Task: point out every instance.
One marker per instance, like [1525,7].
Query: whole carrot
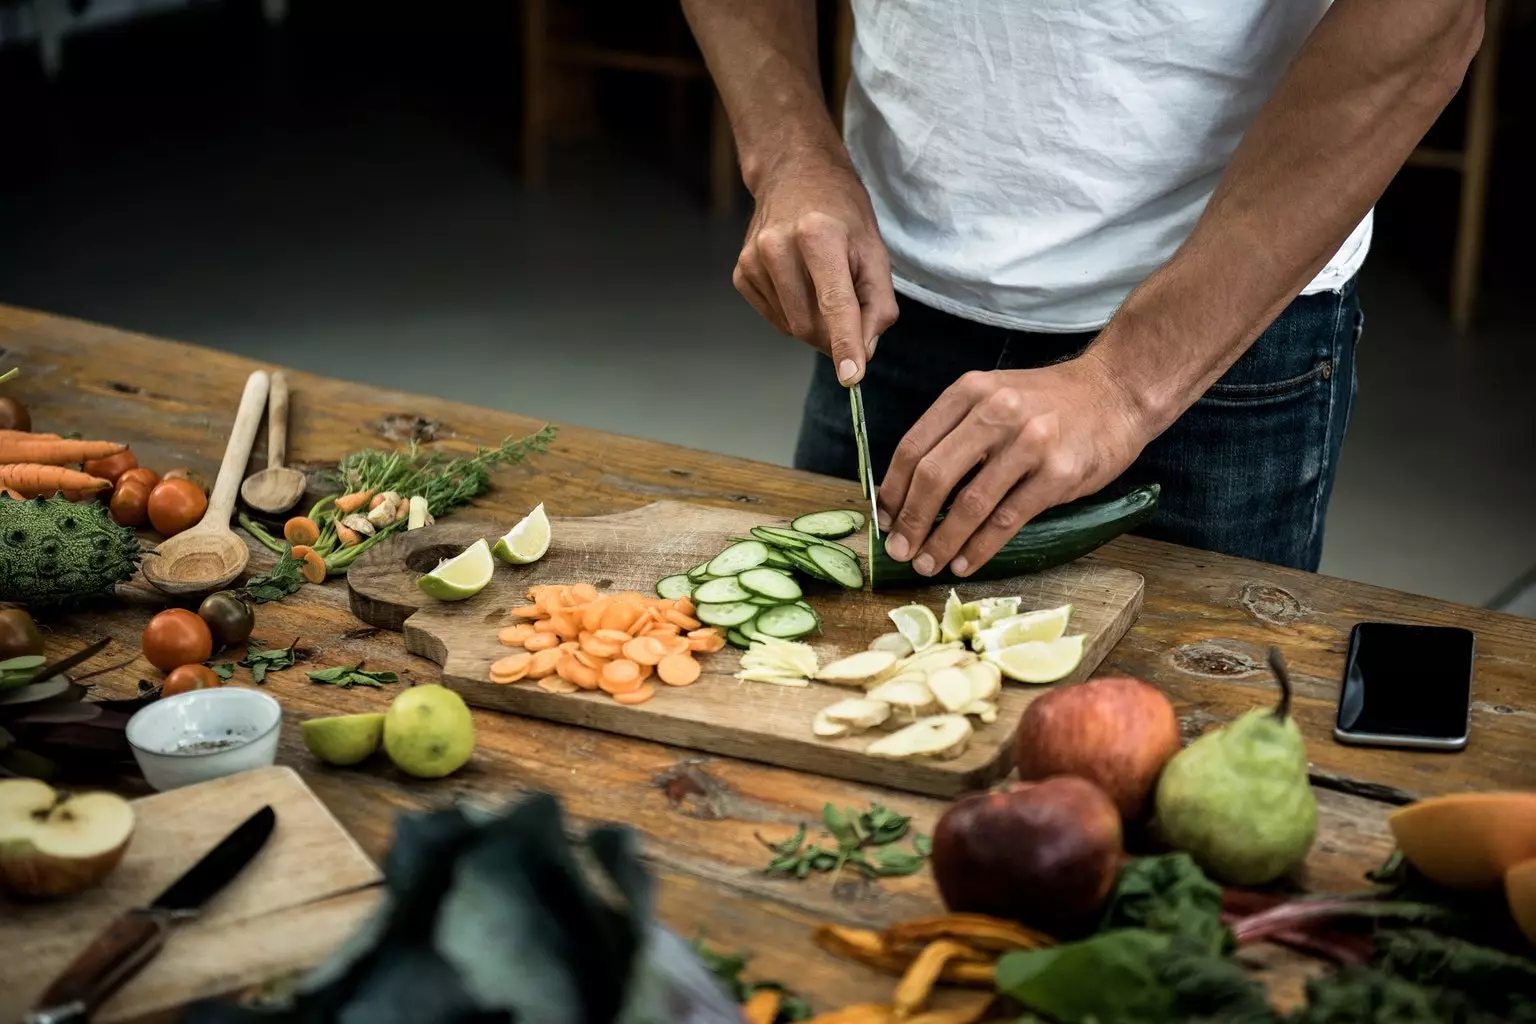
[55,453]
[349,503]
[31,480]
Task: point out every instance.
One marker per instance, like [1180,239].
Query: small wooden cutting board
[308,888]
[719,714]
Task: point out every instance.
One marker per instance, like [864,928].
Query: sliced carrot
[570,647]
[513,636]
[639,695]
[685,605]
[554,684]
[512,663]
[620,676]
[664,629]
[613,636]
[590,660]
[566,625]
[584,592]
[543,663]
[545,626]
[540,642]
[682,621]
[528,612]
[598,646]
[645,650]
[584,677]
[592,615]
[678,670]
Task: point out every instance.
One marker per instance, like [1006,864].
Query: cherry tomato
[147,477]
[18,634]
[176,505]
[183,473]
[177,637]
[189,677]
[14,415]
[113,466]
[229,618]
[130,503]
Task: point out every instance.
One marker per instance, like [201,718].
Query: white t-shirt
[1032,161]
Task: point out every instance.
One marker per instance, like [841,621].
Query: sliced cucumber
[858,517]
[842,568]
[807,540]
[804,564]
[699,573]
[763,602]
[735,639]
[787,622]
[778,559]
[831,525]
[770,583]
[747,554]
[730,613]
[773,535]
[674,587]
[722,591]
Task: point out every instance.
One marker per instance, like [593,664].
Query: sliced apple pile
[54,844]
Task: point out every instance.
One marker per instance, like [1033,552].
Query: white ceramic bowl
[204,734]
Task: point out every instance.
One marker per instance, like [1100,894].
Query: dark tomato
[18,634]
[177,637]
[183,473]
[229,618]
[130,503]
[176,505]
[14,415]
[147,477]
[185,678]
[113,466]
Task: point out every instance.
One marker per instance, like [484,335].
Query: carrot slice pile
[573,638]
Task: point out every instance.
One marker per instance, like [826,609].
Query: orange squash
[1520,889]
[1467,840]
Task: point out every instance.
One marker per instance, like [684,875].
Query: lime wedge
[918,624]
[1044,625]
[1039,661]
[989,610]
[527,541]
[954,619]
[463,575]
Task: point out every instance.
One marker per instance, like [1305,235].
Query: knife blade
[133,939]
[866,468]
[65,664]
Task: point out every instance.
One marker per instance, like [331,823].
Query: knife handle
[115,956]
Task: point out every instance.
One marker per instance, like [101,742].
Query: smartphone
[1406,686]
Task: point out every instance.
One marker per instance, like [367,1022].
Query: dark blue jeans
[1246,471]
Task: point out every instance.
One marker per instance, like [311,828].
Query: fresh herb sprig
[446,482]
[348,676]
[280,581]
[728,968]
[863,842]
[259,660]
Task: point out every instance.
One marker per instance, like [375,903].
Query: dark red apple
[1044,854]
[1117,733]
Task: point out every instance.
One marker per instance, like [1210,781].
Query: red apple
[52,844]
[1045,854]
[1117,733]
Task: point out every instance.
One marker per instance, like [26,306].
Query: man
[1125,232]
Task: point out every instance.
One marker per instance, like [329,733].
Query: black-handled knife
[132,941]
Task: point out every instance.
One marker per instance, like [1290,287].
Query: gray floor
[396,250]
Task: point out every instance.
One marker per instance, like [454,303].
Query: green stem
[338,561]
[13,371]
[319,506]
[266,539]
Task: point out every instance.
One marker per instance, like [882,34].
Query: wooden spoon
[275,489]
[210,555]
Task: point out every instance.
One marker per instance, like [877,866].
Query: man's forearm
[1359,95]
[762,55]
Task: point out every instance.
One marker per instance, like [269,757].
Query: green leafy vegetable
[728,968]
[1168,894]
[261,661]
[283,579]
[223,669]
[347,677]
[858,836]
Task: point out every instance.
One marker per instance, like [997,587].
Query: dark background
[343,194]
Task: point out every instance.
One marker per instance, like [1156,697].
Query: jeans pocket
[1260,393]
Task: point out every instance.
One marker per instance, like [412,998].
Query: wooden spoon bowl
[277,488]
[210,555]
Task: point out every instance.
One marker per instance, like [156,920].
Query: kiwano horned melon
[1467,840]
[57,552]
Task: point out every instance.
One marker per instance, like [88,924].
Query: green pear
[344,739]
[428,732]
[1238,800]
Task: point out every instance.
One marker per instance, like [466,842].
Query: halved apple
[57,844]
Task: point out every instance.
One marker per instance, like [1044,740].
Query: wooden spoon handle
[277,421]
[242,437]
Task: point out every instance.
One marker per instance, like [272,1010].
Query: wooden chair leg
[535,89]
[1482,103]
[722,162]
[842,60]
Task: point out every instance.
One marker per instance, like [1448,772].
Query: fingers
[824,247]
[947,413]
[781,258]
[757,292]
[877,298]
[974,507]
[1038,492]
[933,478]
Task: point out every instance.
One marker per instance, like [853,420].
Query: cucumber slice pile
[749,589]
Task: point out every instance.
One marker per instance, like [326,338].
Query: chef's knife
[133,939]
[866,468]
[65,664]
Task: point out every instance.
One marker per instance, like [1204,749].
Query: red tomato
[130,503]
[183,473]
[187,678]
[113,466]
[177,637]
[176,505]
[147,477]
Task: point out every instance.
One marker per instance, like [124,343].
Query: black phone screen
[1407,681]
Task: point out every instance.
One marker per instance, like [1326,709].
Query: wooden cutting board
[719,714]
[308,889]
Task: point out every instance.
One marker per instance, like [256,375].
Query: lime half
[1039,661]
[527,541]
[918,624]
[953,626]
[1044,625]
[463,575]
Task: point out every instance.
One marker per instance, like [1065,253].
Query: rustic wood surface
[1204,626]
[306,890]
[720,714]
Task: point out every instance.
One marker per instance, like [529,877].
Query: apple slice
[53,844]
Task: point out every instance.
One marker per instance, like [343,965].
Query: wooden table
[1201,637]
